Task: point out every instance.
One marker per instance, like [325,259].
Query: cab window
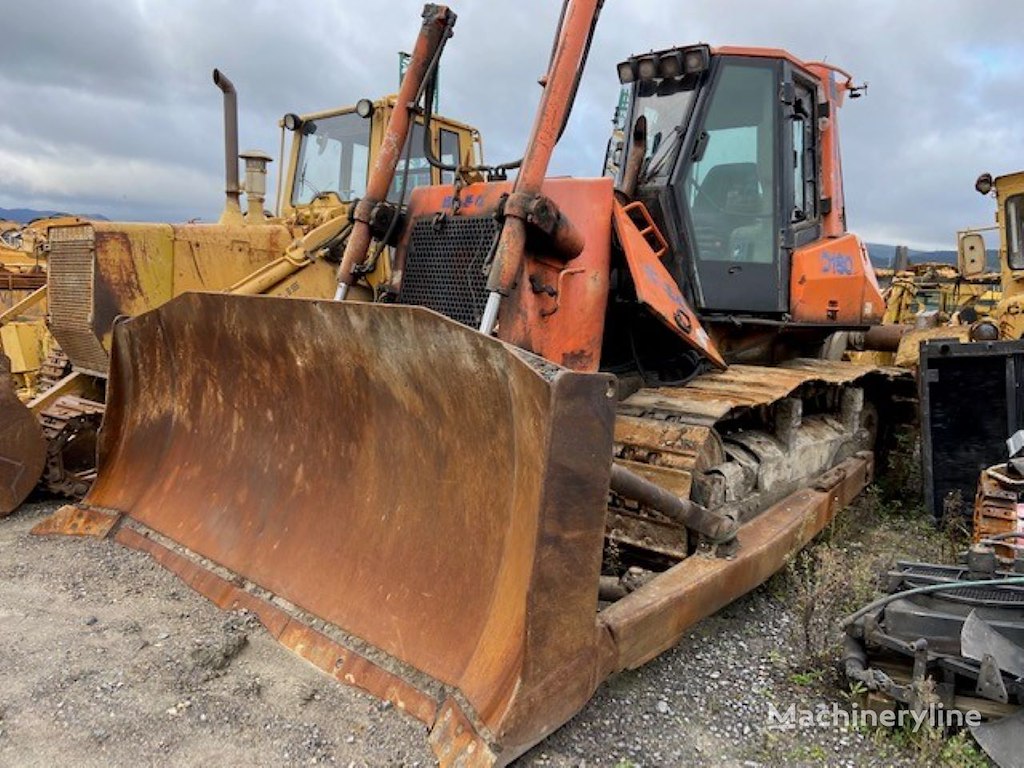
[804,158]
[449,154]
[334,156]
[730,183]
[419,168]
[1015,231]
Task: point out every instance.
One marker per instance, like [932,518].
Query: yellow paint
[24,344]
[1009,311]
[139,266]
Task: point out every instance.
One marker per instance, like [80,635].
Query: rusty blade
[22,447]
[418,486]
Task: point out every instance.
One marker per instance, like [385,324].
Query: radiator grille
[70,296]
[444,266]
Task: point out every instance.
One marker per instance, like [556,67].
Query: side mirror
[970,253]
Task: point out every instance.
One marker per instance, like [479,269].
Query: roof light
[671,64]
[696,60]
[627,71]
[292,121]
[647,68]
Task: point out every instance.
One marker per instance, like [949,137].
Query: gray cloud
[108,106]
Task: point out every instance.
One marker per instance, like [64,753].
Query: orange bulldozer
[585,414]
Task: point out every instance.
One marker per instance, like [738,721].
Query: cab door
[731,187]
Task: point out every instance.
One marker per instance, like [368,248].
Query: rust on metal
[331,657]
[22,446]
[75,520]
[725,394]
[885,338]
[456,742]
[644,246]
[997,510]
[634,161]
[652,619]
[438,21]
[22,282]
[251,494]
[512,458]
[70,425]
[568,58]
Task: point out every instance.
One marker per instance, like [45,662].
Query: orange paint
[655,287]
[555,309]
[832,281]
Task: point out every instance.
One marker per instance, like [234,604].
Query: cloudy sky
[107,106]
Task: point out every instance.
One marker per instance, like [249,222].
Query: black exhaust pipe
[232,186]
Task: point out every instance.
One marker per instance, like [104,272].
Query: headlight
[647,68]
[671,64]
[627,72]
[364,108]
[696,60]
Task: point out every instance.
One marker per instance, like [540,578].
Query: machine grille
[70,296]
[444,266]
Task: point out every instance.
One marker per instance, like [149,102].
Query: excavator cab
[741,173]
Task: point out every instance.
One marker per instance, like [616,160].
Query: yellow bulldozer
[924,301]
[1008,191]
[581,415]
[24,338]
[22,265]
[100,271]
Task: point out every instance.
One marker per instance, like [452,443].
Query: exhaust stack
[232,207]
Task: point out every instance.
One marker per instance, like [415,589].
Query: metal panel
[444,269]
[970,395]
[72,274]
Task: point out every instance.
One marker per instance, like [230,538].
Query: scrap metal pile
[947,639]
[952,636]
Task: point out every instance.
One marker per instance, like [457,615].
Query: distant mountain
[25,215]
[882,254]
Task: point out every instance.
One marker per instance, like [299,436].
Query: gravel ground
[110,660]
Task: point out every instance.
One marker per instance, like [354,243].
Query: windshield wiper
[303,182]
[665,151]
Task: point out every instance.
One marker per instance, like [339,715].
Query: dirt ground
[108,660]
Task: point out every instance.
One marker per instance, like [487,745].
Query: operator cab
[333,151]
[731,169]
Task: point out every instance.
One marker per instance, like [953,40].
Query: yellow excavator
[100,271]
[582,415]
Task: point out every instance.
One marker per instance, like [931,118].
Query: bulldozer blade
[22,448]
[1002,740]
[414,507]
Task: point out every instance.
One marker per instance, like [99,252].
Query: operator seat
[728,198]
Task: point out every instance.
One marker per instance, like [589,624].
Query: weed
[961,751]
[808,677]
[807,752]
[826,585]
[902,483]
